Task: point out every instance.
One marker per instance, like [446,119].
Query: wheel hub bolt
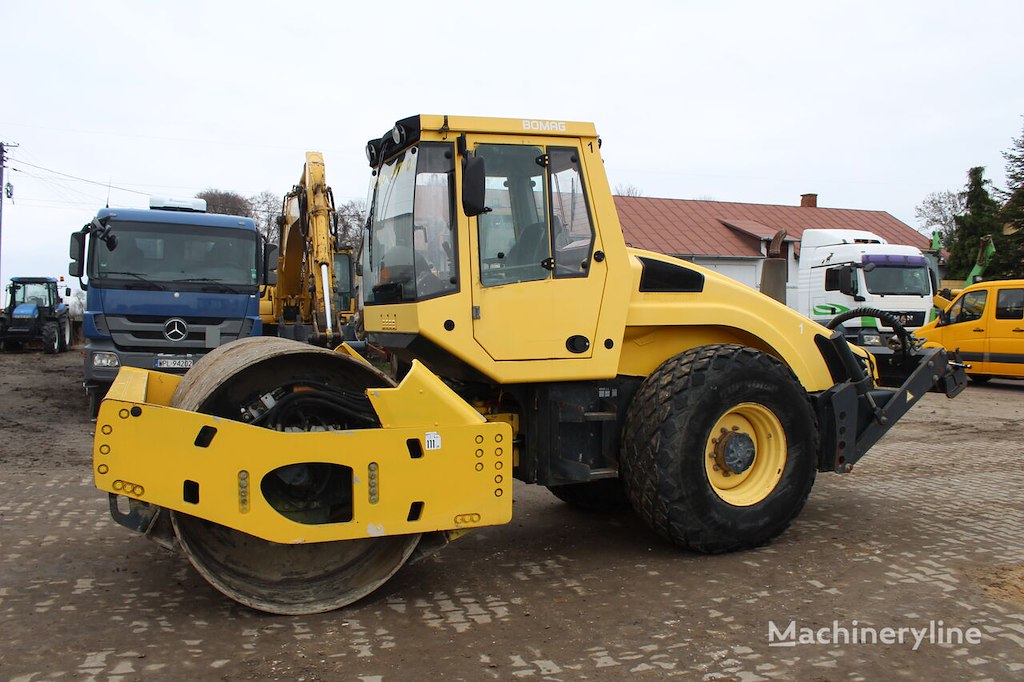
[735,452]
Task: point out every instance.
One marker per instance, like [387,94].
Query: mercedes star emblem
[175,329]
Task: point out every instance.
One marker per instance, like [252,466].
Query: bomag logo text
[558,126]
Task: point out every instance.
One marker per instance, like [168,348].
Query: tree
[266,207]
[1015,164]
[628,191]
[230,203]
[1008,260]
[938,212]
[981,217]
[351,218]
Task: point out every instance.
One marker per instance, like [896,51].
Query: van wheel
[719,449]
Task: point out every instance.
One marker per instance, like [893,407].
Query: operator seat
[532,246]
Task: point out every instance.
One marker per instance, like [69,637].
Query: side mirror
[842,279]
[270,264]
[77,253]
[473,186]
[848,281]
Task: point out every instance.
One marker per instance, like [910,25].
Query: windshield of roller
[409,253]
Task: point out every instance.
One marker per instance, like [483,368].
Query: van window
[970,307]
[1010,304]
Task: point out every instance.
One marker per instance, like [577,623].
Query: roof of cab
[142,215]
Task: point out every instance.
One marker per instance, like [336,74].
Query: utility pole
[3,190]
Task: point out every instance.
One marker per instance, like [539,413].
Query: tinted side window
[1010,304]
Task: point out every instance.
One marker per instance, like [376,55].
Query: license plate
[173,363]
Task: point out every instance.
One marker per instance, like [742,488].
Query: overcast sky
[872,105]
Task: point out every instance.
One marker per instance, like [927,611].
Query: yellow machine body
[630,331]
[541,347]
[212,468]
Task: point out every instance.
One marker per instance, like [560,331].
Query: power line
[74,177]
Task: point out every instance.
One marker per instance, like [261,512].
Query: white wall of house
[745,270]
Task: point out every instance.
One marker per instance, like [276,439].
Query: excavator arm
[302,305]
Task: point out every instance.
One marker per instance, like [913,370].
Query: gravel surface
[923,545]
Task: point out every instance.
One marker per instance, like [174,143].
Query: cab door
[966,330]
[1006,332]
[537,284]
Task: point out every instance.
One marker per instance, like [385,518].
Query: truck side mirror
[848,281]
[270,264]
[77,253]
[843,279]
[473,186]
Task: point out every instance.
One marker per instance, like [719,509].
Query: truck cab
[841,270]
[986,324]
[165,286]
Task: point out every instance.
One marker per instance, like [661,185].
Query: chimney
[809,200]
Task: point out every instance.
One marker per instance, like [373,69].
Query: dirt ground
[926,536]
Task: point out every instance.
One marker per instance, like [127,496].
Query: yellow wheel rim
[745,454]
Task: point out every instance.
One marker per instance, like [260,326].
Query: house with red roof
[734,238]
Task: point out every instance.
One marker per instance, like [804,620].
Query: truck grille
[146,333]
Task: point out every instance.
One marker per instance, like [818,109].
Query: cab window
[514,237]
[1010,304]
[572,229]
[539,223]
[970,307]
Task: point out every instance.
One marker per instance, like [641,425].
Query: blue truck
[165,286]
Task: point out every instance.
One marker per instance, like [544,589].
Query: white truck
[841,271]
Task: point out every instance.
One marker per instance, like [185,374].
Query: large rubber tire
[602,495]
[979,378]
[271,577]
[671,439]
[51,338]
[64,344]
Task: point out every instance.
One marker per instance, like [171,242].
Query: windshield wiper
[209,280]
[136,276]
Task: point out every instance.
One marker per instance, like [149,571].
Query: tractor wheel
[285,579]
[979,378]
[718,450]
[602,495]
[65,336]
[51,338]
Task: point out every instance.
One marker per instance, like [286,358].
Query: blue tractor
[35,315]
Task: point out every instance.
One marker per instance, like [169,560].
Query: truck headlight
[105,360]
[871,339]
